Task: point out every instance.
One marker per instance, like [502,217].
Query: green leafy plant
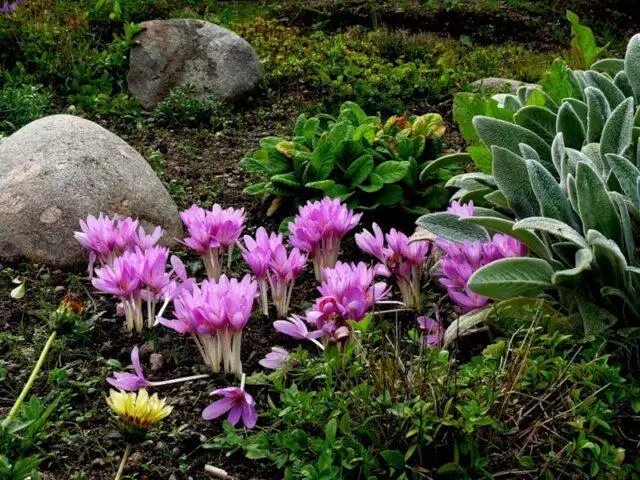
[583,42]
[22,104]
[354,157]
[181,107]
[565,182]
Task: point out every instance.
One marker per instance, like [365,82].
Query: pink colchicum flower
[132,382]
[460,261]
[9,6]
[237,402]
[348,293]
[318,229]
[212,233]
[401,259]
[214,314]
[463,210]
[432,331]
[275,359]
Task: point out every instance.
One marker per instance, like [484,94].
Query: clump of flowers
[106,238]
[460,261]
[348,293]
[401,259]
[236,401]
[212,233]
[214,314]
[273,267]
[141,275]
[432,331]
[318,229]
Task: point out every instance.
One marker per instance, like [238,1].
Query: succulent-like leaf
[595,207]
[592,152]
[552,199]
[599,112]
[616,134]
[622,82]
[512,277]
[609,65]
[557,155]
[553,227]
[629,244]
[609,258]
[568,122]
[632,64]
[594,79]
[627,174]
[539,120]
[509,136]
[464,179]
[444,161]
[529,153]
[450,228]
[511,176]
[570,276]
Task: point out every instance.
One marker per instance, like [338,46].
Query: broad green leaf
[539,120]
[558,152]
[466,180]
[622,82]
[583,42]
[309,131]
[481,156]
[558,83]
[596,208]
[553,227]
[552,199]
[359,170]
[389,195]
[322,162]
[465,324]
[450,228]
[610,260]
[256,189]
[392,171]
[285,180]
[616,134]
[571,276]
[511,176]
[446,160]
[254,165]
[569,123]
[509,136]
[594,79]
[581,108]
[375,184]
[529,153]
[498,199]
[609,65]
[629,243]
[512,277]
[594,318]
[465,107]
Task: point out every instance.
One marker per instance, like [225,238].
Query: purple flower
[129,381]
[144,241]
[432,330]
[401,259]
[211,233]
[296,328]
[10,6]
[237,402]
[283,270]
[460,261]
[318,229]
[275,359]
[461,210]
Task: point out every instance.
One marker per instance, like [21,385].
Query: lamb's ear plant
[565,180]
[354,157]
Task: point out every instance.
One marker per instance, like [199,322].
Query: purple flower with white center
[275,359]
[432,331]
[318,229]
[283,270]
[237,402]
[214,313]
[212,233]
[461,209]
[123,280]
[10,6]
[401,259]
[132,382]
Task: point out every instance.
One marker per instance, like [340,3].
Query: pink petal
[217,408]
[234,414]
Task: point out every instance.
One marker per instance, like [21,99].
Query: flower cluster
[273,267]
[318,229]
[106,238]
[141,275]
[9,6]
[401,259]
[460,261]
[215,313]
[212,233]
[348,292]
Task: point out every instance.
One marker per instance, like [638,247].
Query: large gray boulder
[59,169]
[171,53]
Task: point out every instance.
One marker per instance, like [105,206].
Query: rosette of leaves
[565,180]
[354,157]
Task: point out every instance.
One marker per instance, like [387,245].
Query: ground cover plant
[500,341]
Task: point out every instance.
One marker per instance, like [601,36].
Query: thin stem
[179,380]
[123,462]
[32,378]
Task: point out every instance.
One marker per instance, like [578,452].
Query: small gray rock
[497,83]
[157,361]
[59,169]
[171,53]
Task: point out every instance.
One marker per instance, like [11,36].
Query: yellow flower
[138,410]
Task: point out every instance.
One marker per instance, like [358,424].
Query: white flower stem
[179,380]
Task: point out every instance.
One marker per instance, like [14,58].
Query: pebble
[157,361]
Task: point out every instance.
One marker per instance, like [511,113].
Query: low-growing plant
[20,105]
[565,182]
[354,157]
[181,107]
